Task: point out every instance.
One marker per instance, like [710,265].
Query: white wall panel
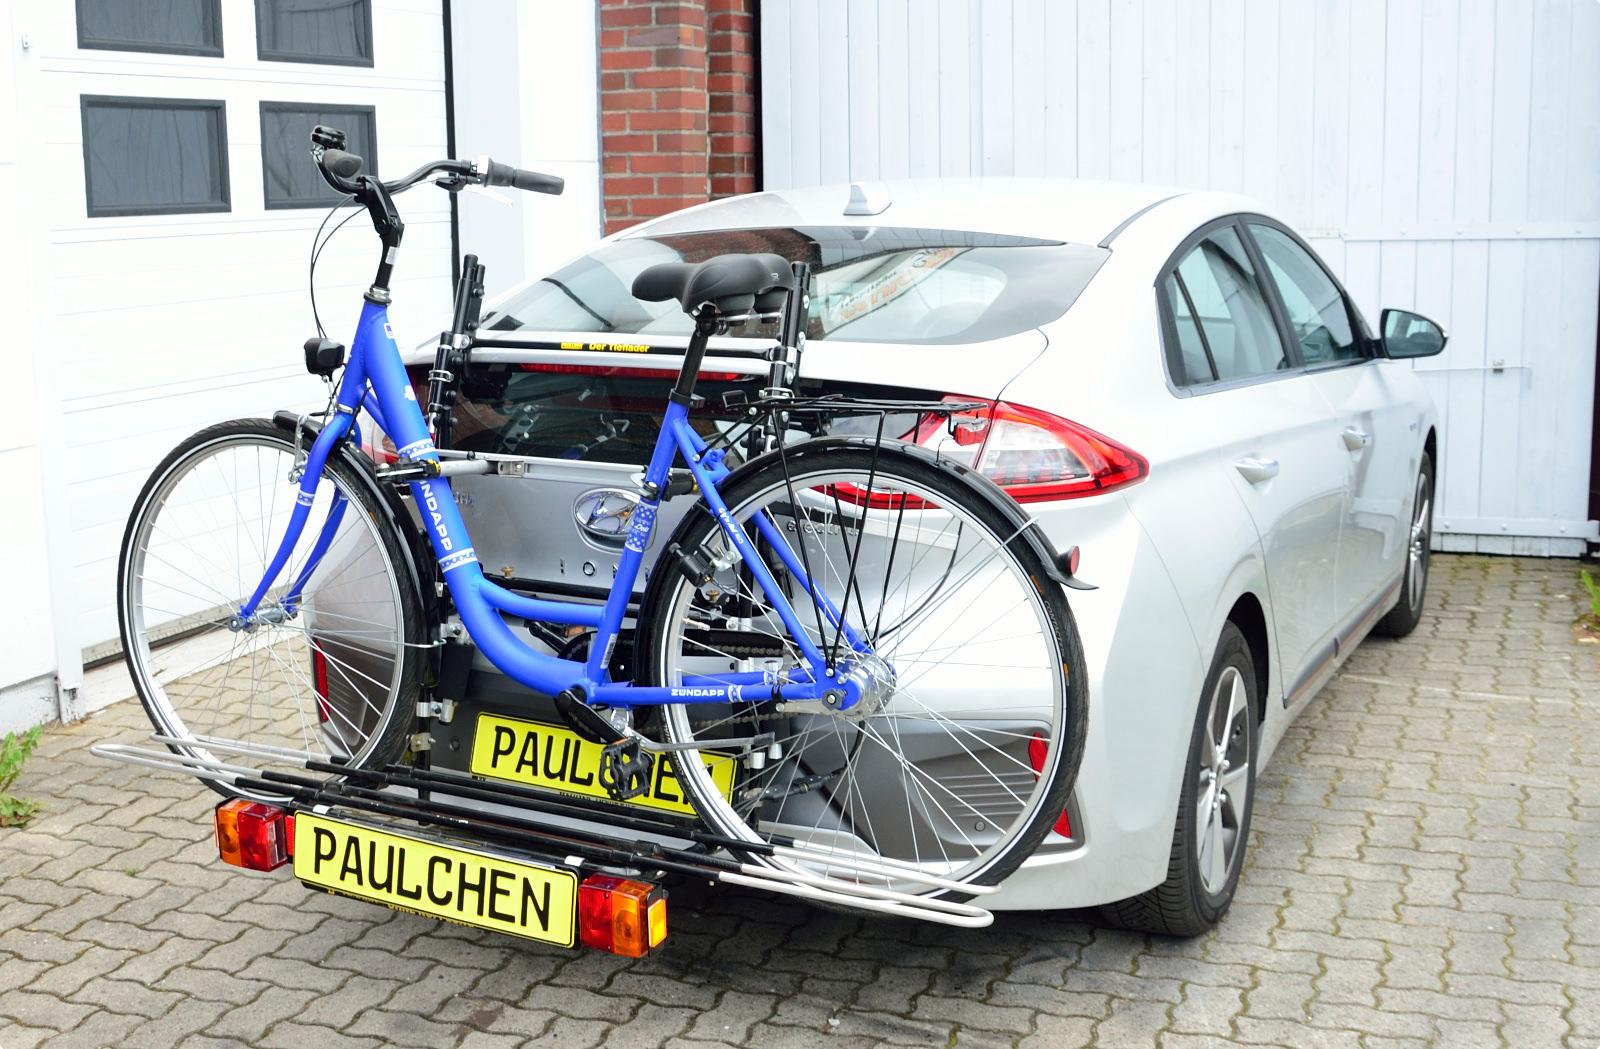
[1441,154]
[160,325]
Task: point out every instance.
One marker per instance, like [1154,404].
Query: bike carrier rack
[780,865]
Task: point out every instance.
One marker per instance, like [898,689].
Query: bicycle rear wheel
[330,668]
[962,757]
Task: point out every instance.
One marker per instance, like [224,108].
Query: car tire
[1407,612]
[1197,892]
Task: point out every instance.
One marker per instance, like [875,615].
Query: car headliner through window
[869,284]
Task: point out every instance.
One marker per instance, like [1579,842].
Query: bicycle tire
[951,487]
[338,728]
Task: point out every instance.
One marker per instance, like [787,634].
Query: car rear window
[606,414]
[869,284]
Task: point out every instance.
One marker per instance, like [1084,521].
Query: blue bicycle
[851,642]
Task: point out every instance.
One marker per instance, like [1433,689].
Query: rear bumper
[1144,674]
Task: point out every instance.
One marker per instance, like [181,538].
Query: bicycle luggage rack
[369,791]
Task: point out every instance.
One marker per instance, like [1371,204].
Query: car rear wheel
[1213,824]
[1403,618]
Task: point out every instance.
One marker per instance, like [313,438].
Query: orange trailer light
[252,835]
[624,917]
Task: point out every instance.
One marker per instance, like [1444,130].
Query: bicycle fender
[395,512]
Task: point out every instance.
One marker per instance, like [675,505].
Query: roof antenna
[867,198]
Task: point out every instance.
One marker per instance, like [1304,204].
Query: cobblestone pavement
[1425,871]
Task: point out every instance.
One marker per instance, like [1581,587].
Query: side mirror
[1407,335]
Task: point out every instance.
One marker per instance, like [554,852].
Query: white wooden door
[166,323]
[1441,155]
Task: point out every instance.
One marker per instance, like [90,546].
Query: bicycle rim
[321,675]
[948,771]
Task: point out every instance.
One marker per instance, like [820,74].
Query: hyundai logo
[605,512]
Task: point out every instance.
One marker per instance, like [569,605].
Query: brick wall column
[732,86]
[670,137]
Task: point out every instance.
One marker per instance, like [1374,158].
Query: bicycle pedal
[625,769]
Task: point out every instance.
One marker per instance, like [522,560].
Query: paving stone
[248,1022]
[98,1030]
[180,1025]
[1422,873]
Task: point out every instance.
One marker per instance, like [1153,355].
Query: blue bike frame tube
[330,528]
[316,459]
[770,532]
[677,424]
[375,359]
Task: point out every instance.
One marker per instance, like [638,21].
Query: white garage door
[179,238]
[1440,155]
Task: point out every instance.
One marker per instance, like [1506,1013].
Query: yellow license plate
[422,877]
[540,755]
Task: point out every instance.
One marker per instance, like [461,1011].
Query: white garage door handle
[1257,470]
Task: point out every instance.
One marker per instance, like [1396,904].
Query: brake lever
[498,198]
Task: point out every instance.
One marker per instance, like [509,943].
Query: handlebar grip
[341,163]
[496,174]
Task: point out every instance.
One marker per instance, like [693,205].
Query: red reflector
[624,917]
[319,683]
[1038,751]
[612,370]
[251,834]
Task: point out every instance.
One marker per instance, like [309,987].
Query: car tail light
[319,683]
[252,835]
[1038,750]
[624,917]
[1033,455]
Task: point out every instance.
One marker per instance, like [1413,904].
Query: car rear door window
[1220,289]
[1192,361]
[1318,315]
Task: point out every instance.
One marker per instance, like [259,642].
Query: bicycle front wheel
[328,666]
[960,759]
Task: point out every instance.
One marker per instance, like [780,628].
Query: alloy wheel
[1222,796]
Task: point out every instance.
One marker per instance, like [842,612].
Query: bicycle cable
[316,253]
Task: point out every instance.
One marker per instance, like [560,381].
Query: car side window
[1318,316]
[1191,363]
[1216,294]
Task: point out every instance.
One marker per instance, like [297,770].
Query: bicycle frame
[374,380]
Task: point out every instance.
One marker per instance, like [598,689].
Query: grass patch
[14,750]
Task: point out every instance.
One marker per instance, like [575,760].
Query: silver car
[1174,385]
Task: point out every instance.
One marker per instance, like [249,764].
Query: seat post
[705,322]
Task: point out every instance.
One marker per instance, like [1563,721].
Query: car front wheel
[1407,612]
[1213,824]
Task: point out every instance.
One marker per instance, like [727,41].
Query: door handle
[1256,470]
[1355,439]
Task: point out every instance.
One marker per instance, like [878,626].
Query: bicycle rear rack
[855,881]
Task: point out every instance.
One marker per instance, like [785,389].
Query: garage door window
[331,32]
[288,173]
[154,156]
[1317,313]
[1220,290]
[176,27]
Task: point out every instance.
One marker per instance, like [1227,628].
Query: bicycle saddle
[731,283]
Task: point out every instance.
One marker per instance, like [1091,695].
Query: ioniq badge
[605,512]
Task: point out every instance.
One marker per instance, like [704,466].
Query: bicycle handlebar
[495,174]
[341,168]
